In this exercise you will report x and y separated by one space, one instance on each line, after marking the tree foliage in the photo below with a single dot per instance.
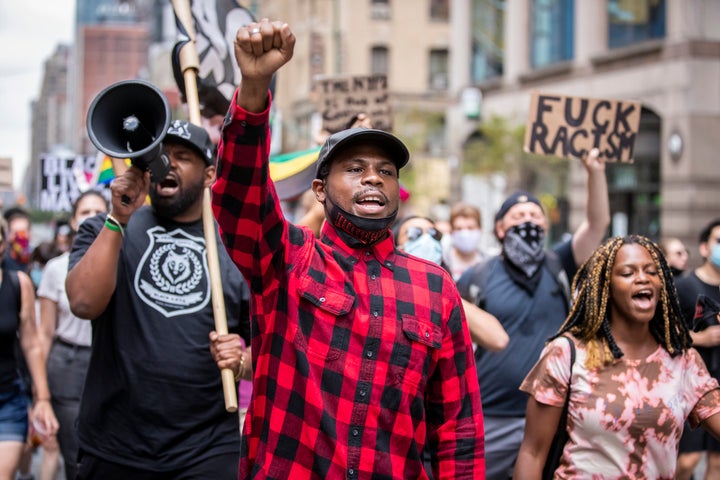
497 146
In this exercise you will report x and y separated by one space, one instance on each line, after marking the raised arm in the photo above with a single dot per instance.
245 205
91 282
592 230
261 49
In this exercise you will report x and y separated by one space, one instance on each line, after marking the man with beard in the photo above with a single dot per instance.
153 406
527 288
361 352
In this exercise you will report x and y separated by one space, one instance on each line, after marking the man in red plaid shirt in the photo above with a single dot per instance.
361 355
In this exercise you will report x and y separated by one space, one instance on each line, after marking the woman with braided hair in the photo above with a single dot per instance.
635 378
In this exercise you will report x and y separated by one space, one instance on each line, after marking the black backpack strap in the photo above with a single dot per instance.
472 285
554 265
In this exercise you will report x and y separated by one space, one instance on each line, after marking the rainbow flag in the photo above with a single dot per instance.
104 173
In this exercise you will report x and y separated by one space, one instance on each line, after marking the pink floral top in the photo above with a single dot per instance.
624 420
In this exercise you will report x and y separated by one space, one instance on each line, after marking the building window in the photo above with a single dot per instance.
438 69
634 21
439 10
380 9
488 44
317 54
552 32
379 61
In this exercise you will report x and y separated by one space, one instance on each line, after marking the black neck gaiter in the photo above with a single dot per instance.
358 231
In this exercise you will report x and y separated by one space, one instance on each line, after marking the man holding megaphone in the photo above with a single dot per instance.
152 401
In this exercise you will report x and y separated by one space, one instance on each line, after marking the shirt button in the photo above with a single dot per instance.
375 314
355 432
373 277
369 354
322 299
363 393
427 334
351 472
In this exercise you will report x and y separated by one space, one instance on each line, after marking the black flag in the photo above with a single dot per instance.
216 23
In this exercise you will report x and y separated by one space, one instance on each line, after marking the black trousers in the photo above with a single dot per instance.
218 467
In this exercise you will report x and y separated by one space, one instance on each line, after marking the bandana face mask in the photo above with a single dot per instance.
19 244
523 247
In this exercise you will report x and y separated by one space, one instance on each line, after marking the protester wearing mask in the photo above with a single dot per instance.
41 255
18 254
526 288
420 236
676 253
702 284
361 356
463 249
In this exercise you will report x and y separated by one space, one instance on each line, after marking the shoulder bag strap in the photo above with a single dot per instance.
563 419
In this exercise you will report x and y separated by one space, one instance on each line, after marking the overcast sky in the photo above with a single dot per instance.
29 33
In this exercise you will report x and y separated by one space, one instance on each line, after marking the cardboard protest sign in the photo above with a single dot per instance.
567 126
62 179
340 97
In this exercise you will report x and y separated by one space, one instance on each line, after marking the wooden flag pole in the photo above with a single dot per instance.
190 64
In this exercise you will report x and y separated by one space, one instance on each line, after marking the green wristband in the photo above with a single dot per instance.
113 224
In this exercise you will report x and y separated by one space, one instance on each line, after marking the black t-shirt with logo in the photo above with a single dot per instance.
153 396
689 287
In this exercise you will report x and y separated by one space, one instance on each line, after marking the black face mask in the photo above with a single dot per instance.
357 231
523 247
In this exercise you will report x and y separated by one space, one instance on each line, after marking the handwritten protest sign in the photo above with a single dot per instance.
340 97
570 126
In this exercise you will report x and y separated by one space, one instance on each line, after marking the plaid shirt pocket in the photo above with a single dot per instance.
323 326
423 331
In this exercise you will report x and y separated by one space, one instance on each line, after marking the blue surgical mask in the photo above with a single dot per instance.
36 274
425 246
715 255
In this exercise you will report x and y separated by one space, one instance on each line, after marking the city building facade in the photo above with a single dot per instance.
662 53
453 65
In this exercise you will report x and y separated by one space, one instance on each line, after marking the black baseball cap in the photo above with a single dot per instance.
393 146
514 199
194 137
